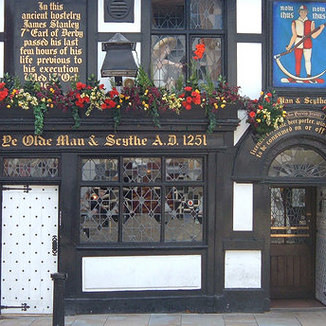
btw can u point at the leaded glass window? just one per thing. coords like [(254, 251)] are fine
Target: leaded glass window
[(99, 212), (206, 14), (298, 162), (143, 199), (141, 214), (193, 22), (100, 169), (186, 169), (141, 169), (31, 167), (184, 213), (290, 219), (163, 17)]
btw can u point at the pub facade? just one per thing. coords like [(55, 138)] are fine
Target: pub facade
[(146, 210)]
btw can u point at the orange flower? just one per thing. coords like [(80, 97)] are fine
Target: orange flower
[(252, 114), (199, 52)]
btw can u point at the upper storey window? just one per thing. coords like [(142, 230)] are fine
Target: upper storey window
[(177, 27)]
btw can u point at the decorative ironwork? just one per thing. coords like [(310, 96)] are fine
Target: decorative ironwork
[(184, 214), (98, 169), (298, 162), (184, 169), (210, 64), (168, 14), (99, 213), (206, 14), (141, 169), (168, 59), (31, 167), (54, 245), (289, 221), (141, 214)]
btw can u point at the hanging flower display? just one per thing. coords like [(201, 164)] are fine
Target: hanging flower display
[(266, 113)]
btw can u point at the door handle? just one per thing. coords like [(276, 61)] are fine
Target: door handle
[(54, 245)]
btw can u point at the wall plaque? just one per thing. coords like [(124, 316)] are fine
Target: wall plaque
[(49, 38)]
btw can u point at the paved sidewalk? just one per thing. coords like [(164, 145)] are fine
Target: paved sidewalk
[(276, 317)]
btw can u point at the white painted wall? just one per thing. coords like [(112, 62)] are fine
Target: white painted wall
[(242, 206), (2, 59), (123, 27), (2, 15), (249, 69), (249, 17), (242, 127), (139, 273), (321, 245), (242, 269)]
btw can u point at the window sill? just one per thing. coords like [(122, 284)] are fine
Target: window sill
[(142, 246)]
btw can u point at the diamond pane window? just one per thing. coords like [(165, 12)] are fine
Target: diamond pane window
[(168, 59), (99, 214), (184, 169), (141, 200), (141, 214), (193, 22), (210, 64), (141, 169), (298, 162), (99, 169), (206, 14), (290, 222), (184, 214), (168, 14), (31, 167)]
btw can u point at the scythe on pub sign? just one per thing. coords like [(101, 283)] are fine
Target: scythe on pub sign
[(277, 58)]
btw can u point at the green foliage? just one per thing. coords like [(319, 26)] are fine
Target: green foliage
[(142, 79)]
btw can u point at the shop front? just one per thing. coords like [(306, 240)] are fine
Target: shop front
[(134, 216), (289, 164)]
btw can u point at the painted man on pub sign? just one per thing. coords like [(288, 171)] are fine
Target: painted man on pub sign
[(298, 44)]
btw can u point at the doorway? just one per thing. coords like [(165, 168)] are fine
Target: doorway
[(29, 242), (292, 250)]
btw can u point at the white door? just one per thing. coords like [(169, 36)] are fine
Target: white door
[(29, 223)]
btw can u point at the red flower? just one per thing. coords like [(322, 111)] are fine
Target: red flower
[(2, 85), (188, 106), (269, 94), (3, 94), (188, 88), (114, 92), (196, 97), (101, 86), (252, 114), (267, 100), (199, 52), (108, 104), (80, 86), (188, 99)]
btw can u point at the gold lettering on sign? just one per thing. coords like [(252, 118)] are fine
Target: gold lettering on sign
[(50, 42), (65, 140), (32, 140), (298, 121), (8, 140), (110, 140)]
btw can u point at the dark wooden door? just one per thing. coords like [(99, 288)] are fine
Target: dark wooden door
[(292, 242)]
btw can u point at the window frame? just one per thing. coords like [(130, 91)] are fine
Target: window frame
[(189, 33), (163, 184)]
